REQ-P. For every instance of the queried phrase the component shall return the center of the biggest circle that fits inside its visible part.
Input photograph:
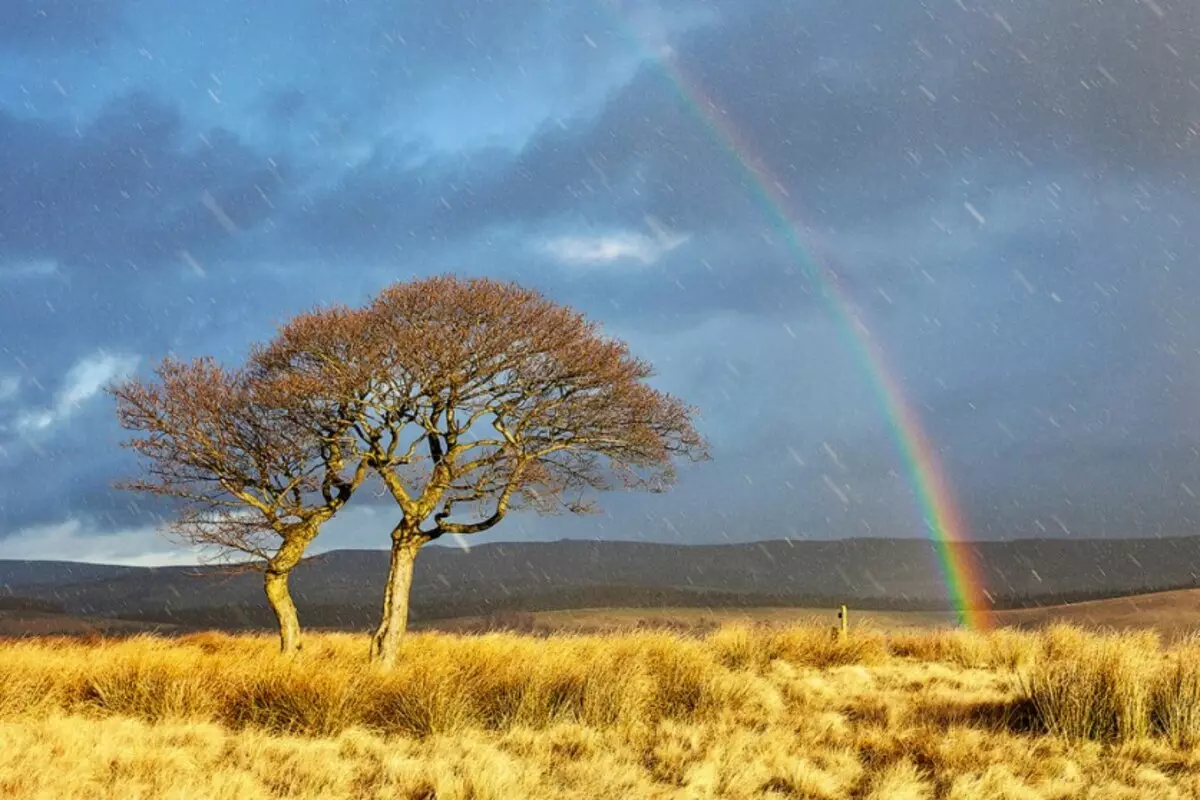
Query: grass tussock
(1124, 687)
(1005, 648)
(743, 711)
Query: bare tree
(481, 397)
(252, 465)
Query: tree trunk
(280, 598)
(385, 644)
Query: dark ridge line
(754, 543)
(358, 616)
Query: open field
(40, 623)
(745, 711)
(609, 620)
(1173, 615)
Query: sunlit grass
(745, 711)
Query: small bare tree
(254, 468)
(480, 397)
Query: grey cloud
(1087, 488)
(852, 104)
(831, 104)
(127, 189)
(648, 151)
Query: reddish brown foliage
(248, 467)
(479, 395)
(475, 392)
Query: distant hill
(16, 575)
(18, 604)
(343, 588)
(1173, 614)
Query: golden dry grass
(746, 711)
(1173, 614)
(609, 620)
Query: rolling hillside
(341, 588)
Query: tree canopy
(476, 397)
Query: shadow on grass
(1017, 715)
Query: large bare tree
(253, 466)
(480, 397)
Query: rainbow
(943, 521)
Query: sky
(1004, 190)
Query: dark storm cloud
(826, 97)
(885, 100)
(118, 235)
(128, 188)
(833, 105)
(72, 474)
(586, 168)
